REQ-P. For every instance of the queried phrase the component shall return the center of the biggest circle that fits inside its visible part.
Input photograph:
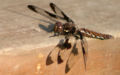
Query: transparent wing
(75, 54)
(84, 46)
(59, 12)
(73, 57)
(52, 56)
(63, 53)
(45, 13)
(58, 54)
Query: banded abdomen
(92, 34)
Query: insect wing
(43, 12)
(73, 57)
(52, 56)
(56, 54)
(60, 13)
(84, 46)
(75, 54)
(65, 50)
(62, 55)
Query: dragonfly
(67, 29)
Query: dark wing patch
(73, 57)
(75, 50)
(43, 12)
(33, 8)
(59, 58)
(58, 53)
(84, 47)
(84, 50)
(67, 68)
(59, 12)
(75, 53)
(64, 51)
(51, 58)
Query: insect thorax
(69, 28)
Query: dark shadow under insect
(47, 29)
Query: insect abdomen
(92, 34)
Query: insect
(67, 29)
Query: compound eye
(58, 28)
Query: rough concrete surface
(25, 43)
